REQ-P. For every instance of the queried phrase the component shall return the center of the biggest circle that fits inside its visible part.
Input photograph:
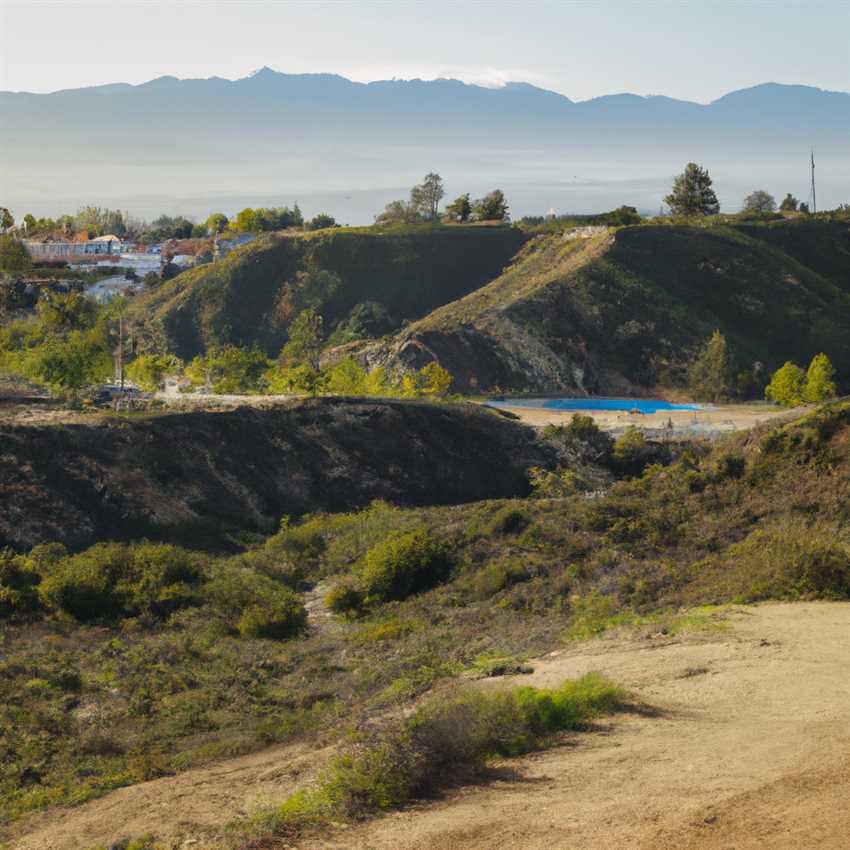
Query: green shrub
(111, 580)
(445, 741)
(402, 564)
(508, 520)
(498, 575)
(255, 605)
(345, 598)
(629, 452)
(18, 584)
(281, 615)
(791, 559)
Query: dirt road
(749, 748)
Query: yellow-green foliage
(787, 385)
(820, 380)
(446, 738)
(790, 386)
(148, 371)
(402, 564)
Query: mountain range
(347, 147)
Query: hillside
(328, 136)
(99, 702)
(210, 479)
(625, 311)
(370, 280)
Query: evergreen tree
(306, 334)
(692, 193)
(820, 384)
(709, 377)
(787, 385)
(789, 203)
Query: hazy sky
(693, 50)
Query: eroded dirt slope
(200, 478)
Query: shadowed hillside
(205, 478)
(368, 280)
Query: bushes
(402, 564)
(508, 520)
(18, 580)
(443, 742)
(109, 581)
(791, 559)
(257, 606)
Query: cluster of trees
(791, 386)
(297, 369)
(66, 346)
(424, 206)
(693, 195)
(97, 221)
(712, 378)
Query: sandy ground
(711, 422)
(747, 746)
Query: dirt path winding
(750, 749)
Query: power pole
(814, 197)
(121, 350)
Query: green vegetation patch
(445, 742)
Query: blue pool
(644, 405)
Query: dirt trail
(750, 749)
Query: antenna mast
(814, 197)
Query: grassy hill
(626, 310)
(150, 677)
(250, 297)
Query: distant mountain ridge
(272, 132)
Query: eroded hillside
(626, 310)
(202, 478)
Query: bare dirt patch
(747, 746)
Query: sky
(692, 49)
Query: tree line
(424, 206)
(100, 221)
(712, 377)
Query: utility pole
(814, 197)
(121, 351)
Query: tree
(13, 256)
(789, 203)
(692, 193)
(787, 385)
(492, 207)
(460, 208)
(804, 207)
(216, 223)
(7, 220)
(425, 198)
(246, 221)
(759, 201)
(30, 223)
(709, 377)
(149, 371)
(436, 381)
(306, 334)
(398, 212)
(321, 221)
(820, 384)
